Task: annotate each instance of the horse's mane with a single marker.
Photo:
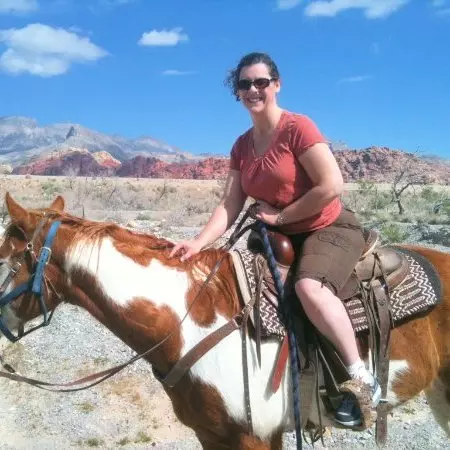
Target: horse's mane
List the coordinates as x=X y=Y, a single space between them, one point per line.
x=202 y=263
x=91 y=232
x=143 y=244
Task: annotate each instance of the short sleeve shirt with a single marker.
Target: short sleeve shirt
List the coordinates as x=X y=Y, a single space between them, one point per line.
x=277 y=176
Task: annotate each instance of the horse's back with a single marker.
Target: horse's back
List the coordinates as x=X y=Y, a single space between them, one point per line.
x=438 y=393
x=421 y=347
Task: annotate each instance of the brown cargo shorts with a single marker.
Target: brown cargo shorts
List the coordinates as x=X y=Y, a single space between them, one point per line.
x=330 y=254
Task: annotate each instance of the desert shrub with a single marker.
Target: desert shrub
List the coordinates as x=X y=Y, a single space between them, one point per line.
x=144 y=216
x=165 y=189
x=134 y=187
x=365 y=188
x=177 y=217
x=430 y=194
x=353 y=200
x=50 y=188
x=393 y=233
x=378 y=200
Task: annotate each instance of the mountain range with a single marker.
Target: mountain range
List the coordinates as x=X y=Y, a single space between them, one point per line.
x=72 y=150
x=21 y=138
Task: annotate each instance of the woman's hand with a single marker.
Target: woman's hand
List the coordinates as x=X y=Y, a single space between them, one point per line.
x=266 y=213
x=187 y=249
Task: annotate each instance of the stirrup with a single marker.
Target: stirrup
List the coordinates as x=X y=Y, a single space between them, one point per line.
x=358 y=394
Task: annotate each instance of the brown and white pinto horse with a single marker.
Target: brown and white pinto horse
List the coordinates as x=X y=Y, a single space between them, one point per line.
x=127 y=281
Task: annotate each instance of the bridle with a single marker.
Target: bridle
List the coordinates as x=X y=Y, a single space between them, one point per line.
x=37 y=285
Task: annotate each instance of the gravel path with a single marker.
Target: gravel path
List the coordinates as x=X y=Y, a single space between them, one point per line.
x=131 y=410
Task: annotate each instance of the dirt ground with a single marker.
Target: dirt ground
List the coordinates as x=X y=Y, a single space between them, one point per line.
x=130 y=410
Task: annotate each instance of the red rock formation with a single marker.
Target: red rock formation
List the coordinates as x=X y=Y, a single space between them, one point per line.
x=381 y=164
x=148 y=167
x=69 y=162
x=377 y=164
x=106 y=160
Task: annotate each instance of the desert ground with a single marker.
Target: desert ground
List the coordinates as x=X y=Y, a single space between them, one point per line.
x=131 y=410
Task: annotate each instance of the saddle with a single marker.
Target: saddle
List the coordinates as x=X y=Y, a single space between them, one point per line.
x=374 y=263
x=379 y=271
x=388 y=286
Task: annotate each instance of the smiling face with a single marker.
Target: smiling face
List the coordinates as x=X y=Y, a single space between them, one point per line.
x=258 y=99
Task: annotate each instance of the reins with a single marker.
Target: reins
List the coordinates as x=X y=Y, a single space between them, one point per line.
x=107 y=373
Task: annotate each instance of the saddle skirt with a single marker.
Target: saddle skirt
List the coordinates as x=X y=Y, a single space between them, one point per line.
x=415 y=289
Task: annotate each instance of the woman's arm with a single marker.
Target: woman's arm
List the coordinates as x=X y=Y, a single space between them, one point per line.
x=223 y=217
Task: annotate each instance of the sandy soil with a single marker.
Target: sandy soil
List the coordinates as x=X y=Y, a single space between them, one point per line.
x=130 y=410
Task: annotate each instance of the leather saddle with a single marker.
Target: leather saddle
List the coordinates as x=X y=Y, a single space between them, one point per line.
x=375 y=262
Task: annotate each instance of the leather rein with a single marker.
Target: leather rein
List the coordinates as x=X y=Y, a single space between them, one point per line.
x=38 y=280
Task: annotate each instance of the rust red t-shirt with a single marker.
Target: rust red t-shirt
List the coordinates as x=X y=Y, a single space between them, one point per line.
x=277 y=177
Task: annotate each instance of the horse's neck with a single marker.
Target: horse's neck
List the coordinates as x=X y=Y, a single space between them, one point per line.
x=142 y=298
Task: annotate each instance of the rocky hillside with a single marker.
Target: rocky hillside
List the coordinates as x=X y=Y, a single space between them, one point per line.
x=81 y=162
x=70 y=149
x=70 y=162
x=208 y=169
x=372 y=164
x=381 y=164
x=22 y=138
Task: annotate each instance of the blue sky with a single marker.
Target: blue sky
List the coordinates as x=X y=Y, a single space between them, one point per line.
x=369 y=72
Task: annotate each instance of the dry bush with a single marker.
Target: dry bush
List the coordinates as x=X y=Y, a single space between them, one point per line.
x=419 y=204
x=191 y=202
x=184 y=202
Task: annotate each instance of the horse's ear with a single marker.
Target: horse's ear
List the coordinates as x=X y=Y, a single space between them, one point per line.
x=18 y=214
x=58 y=204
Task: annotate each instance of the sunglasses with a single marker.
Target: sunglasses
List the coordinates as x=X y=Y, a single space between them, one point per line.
x=259 y=83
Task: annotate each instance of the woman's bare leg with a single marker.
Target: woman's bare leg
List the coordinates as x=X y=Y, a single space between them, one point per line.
x=329 y=316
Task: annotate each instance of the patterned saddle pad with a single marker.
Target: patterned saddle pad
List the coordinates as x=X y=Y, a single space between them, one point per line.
x=417 y=294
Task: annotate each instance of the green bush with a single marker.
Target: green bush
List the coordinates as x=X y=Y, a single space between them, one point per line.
x=430 y=194
x=49 y=188
x=393 y=233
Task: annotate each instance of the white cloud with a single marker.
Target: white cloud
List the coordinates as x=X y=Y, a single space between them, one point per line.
x=287 y=4
x=45 y=51
x=165 y=38
x=354 y=79
x=174 y=72
x=373 y=9
x=18 y=6
x=442 y=7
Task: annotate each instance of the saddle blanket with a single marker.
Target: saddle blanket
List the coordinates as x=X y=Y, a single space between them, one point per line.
x=417 y=294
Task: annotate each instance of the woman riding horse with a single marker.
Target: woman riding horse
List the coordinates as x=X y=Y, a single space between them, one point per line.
x=283 y=161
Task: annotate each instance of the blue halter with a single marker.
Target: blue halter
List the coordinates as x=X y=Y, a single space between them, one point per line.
x=33 y=285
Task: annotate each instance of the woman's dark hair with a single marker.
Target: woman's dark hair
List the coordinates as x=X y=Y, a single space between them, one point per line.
x=248 y=60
